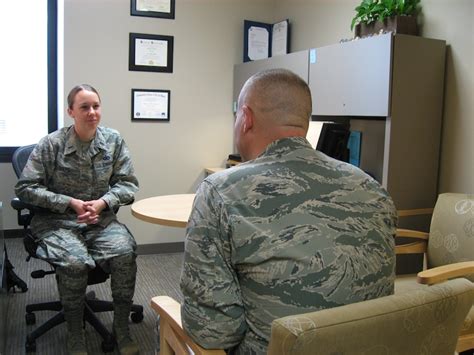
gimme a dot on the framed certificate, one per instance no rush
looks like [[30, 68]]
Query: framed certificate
[[151, 105], [257, 40], [153, 8], [265, 40], [150, 53]]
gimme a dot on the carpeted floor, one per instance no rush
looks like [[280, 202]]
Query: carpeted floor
[[157, 275]]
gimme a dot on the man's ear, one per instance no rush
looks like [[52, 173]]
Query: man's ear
[[248, 119], [69, 112]]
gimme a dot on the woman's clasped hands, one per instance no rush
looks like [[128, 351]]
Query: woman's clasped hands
[[87, 211]]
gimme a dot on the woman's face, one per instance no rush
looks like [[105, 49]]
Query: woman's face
[[86, 112]]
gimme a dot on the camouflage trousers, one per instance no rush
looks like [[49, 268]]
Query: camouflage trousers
[[75, 251]]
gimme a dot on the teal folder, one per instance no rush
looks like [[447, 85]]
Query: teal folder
[[353, 144]]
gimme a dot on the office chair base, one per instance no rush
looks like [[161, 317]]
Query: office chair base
[[91, 307], [30, 345]]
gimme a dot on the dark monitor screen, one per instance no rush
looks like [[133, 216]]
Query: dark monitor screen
[[333, 141]]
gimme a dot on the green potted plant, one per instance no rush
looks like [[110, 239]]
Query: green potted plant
[[389, 15]]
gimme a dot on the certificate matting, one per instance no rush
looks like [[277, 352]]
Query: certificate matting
[[152, 53], [153, 8], [150, 105]]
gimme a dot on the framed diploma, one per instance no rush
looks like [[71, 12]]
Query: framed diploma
[[153, 8], [257, 40], [150, 53], [280, 38], [150, 105], [265, 40]]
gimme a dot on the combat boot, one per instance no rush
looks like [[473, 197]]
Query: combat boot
[[76, 343], [123, 270], [72, 284], [121, 330]]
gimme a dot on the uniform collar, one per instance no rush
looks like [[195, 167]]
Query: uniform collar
[[97, 144], [284, 145]]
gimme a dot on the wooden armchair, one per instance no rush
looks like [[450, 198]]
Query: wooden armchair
[[425, 321], [448, 250], [173, 339]]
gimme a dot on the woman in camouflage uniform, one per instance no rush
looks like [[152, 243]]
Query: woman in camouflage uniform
[[79, 175]]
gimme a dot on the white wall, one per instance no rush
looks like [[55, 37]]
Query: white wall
[[454, 21], [317, 23]]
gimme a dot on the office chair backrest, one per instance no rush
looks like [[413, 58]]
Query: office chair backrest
[[20, 157]]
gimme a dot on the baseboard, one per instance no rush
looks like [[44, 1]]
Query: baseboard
[[13, 233], [160, 248]]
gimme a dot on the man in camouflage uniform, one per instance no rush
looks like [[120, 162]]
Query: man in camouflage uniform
[[79, 176], [289, 231]]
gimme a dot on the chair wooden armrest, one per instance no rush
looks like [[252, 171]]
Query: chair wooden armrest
[[173, 338], [417, 247], [410, 233], [445, 272], [420, 246], [415, 212]]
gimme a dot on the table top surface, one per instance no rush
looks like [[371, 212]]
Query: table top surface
[[166, 210]]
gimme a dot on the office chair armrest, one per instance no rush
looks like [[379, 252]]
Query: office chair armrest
[[173, 338], [442, 273], [19, 205], [24, 211]]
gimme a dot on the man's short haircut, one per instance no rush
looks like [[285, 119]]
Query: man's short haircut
[[280, 93]]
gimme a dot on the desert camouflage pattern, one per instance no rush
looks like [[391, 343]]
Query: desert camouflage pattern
[[290, 232]]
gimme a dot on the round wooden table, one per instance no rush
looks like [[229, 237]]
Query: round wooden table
[[167, 210]]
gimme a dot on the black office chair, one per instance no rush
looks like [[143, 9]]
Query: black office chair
[[25, 213]]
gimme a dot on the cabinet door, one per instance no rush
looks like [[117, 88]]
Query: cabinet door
[[297, 62], [352, 78]]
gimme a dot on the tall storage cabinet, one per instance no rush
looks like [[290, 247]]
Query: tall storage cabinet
[[389, 87]]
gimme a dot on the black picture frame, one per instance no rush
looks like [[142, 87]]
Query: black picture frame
[[134, 11], [150, 46], [146, 105]]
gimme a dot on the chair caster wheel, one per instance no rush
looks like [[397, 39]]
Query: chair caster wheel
[[30, 346], [108, 345], [30, 318], [136, 317]]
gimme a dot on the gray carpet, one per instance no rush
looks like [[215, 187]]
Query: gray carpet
[[157, 275]]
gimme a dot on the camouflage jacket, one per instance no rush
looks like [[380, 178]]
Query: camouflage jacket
[[57, 171], [290, 232]]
